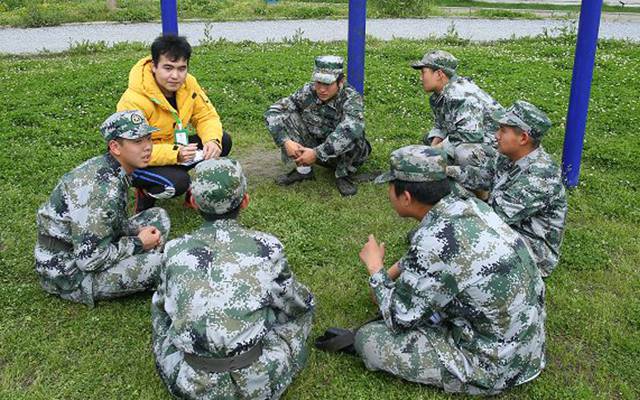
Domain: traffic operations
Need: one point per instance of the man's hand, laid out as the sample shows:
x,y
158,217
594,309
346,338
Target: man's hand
x,y
293,149
186,153
307,157
211,149
150,237
372,255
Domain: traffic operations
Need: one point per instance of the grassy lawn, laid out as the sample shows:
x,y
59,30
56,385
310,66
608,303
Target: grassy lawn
x,y
32,13
50,348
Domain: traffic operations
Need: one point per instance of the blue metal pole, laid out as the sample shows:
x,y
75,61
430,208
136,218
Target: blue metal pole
x,y
590,12
169,12
357,25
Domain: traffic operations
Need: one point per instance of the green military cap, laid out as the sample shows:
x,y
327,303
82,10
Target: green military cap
x,y
525,116
438,59
127,125
219,185
415,163
327,69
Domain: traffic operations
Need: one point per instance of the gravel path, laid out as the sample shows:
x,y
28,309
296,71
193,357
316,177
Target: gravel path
x,y
59,38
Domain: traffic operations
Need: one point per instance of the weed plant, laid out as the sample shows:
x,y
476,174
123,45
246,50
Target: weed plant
x,y
50,348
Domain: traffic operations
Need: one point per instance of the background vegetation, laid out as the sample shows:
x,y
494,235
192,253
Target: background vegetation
x,y
32,13
53,349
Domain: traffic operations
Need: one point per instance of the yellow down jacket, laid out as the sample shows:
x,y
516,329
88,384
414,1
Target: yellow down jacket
x,y
194,108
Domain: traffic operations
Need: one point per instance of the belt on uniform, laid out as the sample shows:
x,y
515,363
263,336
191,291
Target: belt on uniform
x,y
54,243
224,364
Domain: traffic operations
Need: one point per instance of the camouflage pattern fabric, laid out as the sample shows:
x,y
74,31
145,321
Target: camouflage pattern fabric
x,y
415,163
467,312
529,196
219,185
527,117
335,129
98,254
223,290
327,69
436,60
463,113
129,124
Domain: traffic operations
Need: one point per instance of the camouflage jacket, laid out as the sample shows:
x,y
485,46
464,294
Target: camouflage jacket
x,y
336,124
463,113
529,196
469,284
88,211
222,288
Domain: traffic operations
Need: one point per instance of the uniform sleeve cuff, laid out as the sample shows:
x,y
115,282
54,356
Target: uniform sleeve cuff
x,y
379,278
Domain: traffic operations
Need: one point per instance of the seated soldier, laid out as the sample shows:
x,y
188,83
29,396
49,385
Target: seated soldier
x,y
463,310
229,318
462,111
87,248
171,99
525,183
322,123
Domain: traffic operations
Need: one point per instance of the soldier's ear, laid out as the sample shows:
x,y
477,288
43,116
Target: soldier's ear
x,y
114,147
192,202
525,138
406,198
244,203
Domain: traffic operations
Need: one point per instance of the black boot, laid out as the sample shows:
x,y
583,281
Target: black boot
x,y
293,177
346,187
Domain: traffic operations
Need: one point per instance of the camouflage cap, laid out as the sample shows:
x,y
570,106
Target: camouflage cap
x,y
327,69
219,185
415,163
127,125
438,59
525,116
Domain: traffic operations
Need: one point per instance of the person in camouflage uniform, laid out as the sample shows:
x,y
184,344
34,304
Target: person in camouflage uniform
x,y
462,111
87,248
463,310
525,183
229,318
322,123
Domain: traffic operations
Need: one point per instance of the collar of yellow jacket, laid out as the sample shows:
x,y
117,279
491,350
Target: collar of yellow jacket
x,y
141,80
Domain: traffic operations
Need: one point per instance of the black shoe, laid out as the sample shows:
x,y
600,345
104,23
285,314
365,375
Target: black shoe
x,y
367,176
346,187
143,201
293,177
337,340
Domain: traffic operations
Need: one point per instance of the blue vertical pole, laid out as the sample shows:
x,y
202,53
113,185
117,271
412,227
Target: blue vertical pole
x,y
588,27
357,25
169,12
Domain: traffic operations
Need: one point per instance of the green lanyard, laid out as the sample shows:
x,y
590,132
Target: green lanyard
x,y
180,135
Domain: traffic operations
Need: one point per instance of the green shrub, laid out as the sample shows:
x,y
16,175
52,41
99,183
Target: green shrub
x,y
400,8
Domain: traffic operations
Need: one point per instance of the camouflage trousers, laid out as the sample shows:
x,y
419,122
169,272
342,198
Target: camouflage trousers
x,y
133,274
284,354
409,355
344,164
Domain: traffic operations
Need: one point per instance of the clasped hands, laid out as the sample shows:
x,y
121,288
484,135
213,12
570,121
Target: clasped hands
x,y
302,156
186,153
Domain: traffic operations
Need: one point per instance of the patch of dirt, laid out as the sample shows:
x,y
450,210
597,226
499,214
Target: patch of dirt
x,y
260,164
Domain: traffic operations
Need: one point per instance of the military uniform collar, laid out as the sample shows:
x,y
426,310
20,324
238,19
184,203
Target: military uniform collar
x,y
439,96
440,208
114,165
221,223
527,160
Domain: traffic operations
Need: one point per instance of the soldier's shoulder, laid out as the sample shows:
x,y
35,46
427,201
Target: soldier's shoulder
x,y
93,171
268,245
545,166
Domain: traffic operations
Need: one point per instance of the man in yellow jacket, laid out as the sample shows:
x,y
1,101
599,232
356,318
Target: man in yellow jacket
x,y
173,101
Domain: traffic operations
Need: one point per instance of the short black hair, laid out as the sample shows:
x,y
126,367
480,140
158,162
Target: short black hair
x,y
424,192
171,46
233,214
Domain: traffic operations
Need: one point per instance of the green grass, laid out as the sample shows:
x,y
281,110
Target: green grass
x,y
50,348
34,13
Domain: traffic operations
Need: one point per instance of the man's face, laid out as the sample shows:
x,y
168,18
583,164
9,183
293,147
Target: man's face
x,y
170,75
326,92
430,79
510,140
133,153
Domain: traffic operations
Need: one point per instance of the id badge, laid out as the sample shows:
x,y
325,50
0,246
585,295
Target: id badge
x,y
181,137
